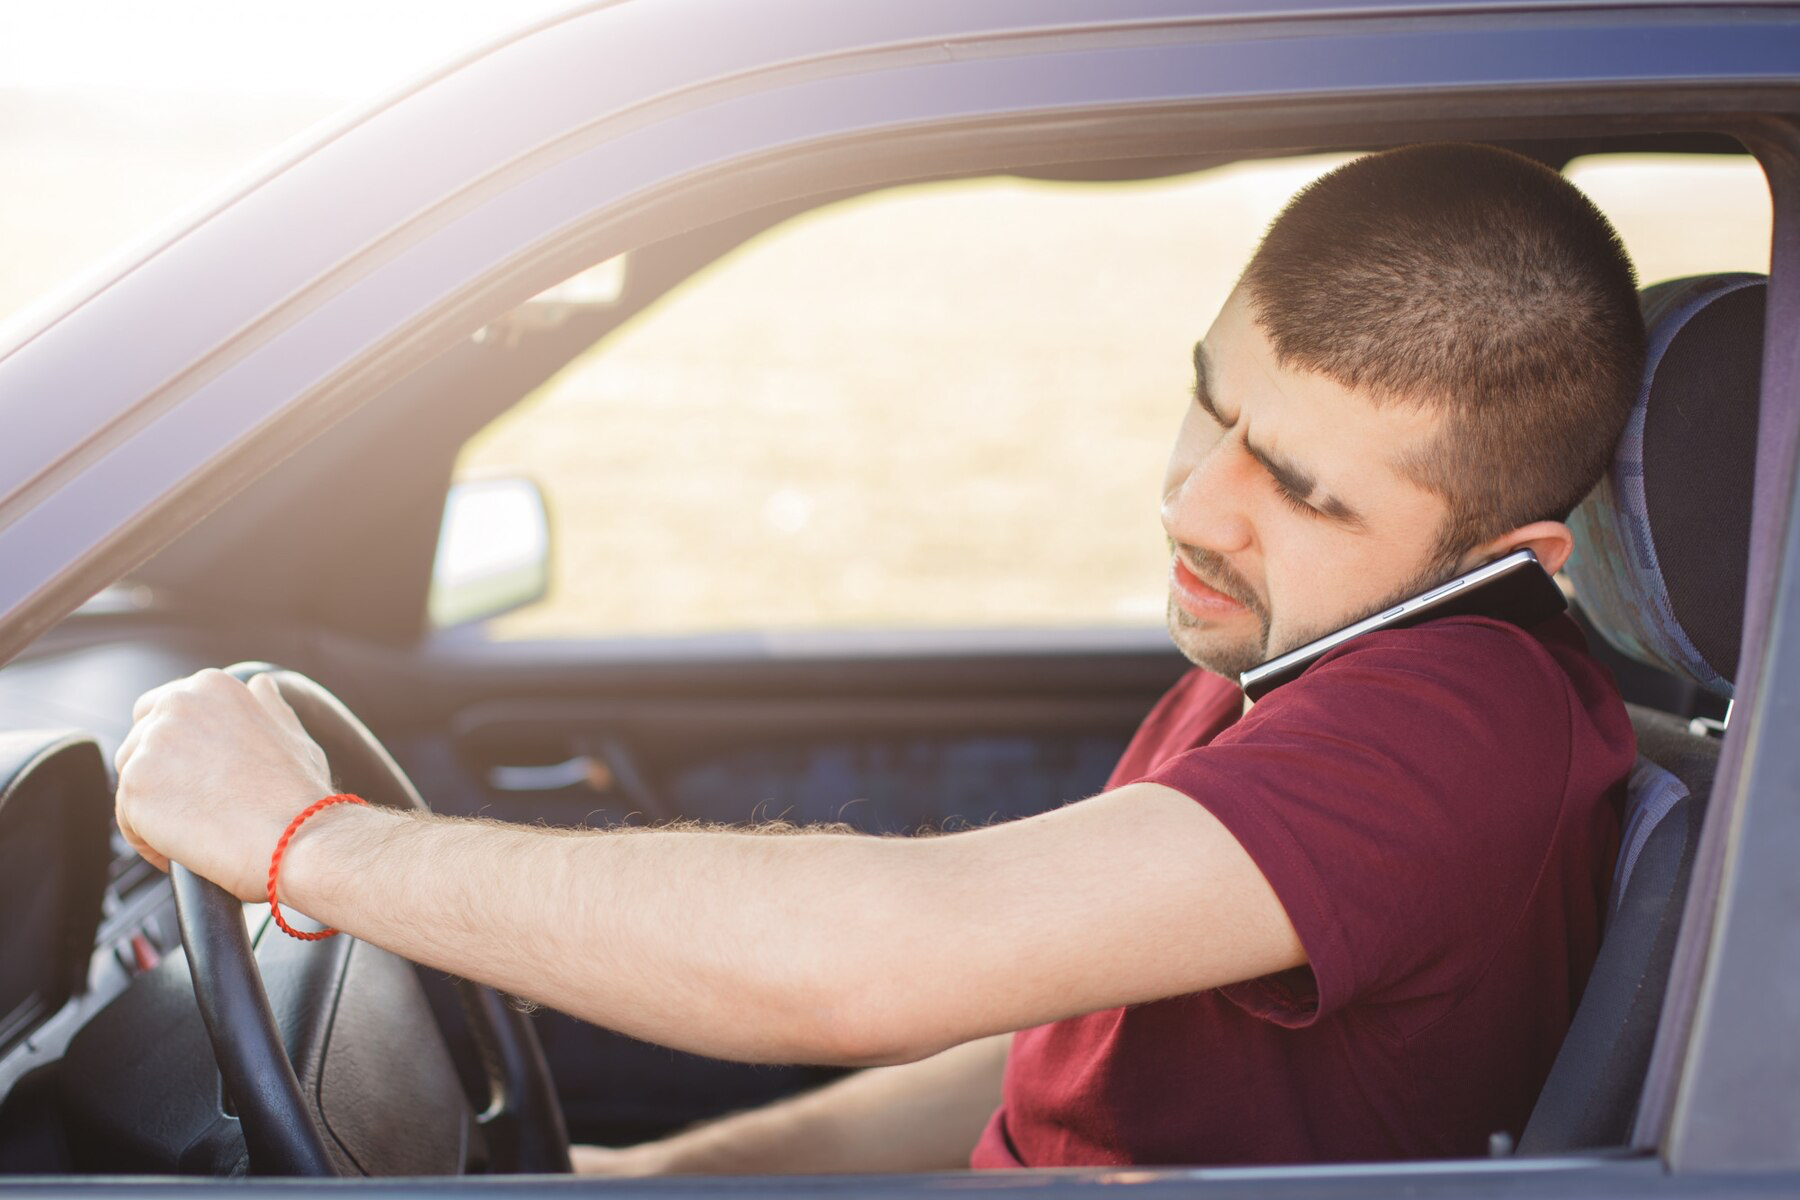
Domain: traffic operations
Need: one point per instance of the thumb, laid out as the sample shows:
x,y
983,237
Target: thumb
x,y
268,694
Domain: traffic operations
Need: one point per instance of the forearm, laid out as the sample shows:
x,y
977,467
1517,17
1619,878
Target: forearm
x,y
919,1116
829,948
735,945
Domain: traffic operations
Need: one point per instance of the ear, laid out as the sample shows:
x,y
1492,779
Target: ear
x,y
1551,541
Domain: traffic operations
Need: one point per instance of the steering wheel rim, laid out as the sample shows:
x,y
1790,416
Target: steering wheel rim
x,y
523,1124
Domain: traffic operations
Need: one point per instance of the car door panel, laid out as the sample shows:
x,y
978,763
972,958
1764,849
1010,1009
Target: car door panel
x,y
881,740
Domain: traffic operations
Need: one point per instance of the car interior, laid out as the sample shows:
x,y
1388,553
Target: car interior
x,y
107,1065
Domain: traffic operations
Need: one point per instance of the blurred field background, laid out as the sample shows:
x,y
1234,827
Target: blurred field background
x,y
945,405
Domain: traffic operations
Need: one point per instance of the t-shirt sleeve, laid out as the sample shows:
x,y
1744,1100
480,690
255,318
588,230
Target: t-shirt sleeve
x,y
1401,799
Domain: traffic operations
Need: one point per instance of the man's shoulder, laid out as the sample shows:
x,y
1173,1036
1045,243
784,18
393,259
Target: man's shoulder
x,y
1402,796
1485,654
1457,677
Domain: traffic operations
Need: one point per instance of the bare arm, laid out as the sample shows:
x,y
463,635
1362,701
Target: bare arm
x,y
824,948
918,1116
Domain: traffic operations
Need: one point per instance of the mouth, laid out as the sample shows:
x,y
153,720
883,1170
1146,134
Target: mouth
x,y
1199,599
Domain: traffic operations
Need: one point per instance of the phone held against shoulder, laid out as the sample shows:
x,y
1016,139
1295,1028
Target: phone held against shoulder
x,y
1514,588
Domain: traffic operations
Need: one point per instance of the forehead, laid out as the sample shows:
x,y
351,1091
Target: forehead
x,y
1342,437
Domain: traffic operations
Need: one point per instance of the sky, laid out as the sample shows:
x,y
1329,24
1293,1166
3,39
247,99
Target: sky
x,y
338,48
177,97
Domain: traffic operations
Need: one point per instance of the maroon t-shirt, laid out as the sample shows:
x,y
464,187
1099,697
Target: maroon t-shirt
x,y
1437,810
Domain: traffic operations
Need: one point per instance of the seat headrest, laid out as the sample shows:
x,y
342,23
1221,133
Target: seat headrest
x,y
1662,543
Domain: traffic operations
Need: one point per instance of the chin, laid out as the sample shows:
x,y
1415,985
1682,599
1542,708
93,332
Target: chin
x,y
1211,649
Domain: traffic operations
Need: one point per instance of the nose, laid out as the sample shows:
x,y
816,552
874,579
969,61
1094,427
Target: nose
x,y
1203,497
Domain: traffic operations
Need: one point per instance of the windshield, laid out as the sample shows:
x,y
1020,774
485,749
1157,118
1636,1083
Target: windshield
x,y
126,114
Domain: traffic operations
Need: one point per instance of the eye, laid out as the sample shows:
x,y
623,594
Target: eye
x,y
1294,500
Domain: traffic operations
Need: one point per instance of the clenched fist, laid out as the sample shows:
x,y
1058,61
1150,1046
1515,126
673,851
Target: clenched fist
x,y
211,773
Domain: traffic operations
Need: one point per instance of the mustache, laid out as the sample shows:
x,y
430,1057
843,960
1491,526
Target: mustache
x,y
1221,576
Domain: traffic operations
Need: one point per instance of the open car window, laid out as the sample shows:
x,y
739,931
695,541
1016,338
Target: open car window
x,y
1682,215
944,405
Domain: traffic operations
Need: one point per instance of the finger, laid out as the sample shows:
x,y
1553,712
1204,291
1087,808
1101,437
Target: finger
x,y
151,698
268,694
128,747
145,850
200,682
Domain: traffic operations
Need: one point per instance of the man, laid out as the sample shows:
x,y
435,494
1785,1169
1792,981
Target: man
x,y
1351,922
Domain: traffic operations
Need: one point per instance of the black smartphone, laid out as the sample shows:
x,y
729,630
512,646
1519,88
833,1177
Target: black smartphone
x,y
1515,588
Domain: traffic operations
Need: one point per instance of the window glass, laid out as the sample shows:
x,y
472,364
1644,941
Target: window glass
x,y
940,406
945,405
116,117
1682,214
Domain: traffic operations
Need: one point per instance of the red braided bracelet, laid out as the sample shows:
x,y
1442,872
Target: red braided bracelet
x,y
281,847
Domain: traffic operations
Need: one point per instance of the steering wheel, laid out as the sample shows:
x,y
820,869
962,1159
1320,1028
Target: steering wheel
x,y
346,1072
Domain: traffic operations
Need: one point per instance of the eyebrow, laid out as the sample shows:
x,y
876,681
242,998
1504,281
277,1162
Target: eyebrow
x,y
1296,480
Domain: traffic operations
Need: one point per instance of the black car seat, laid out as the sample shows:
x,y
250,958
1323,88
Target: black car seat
x,y
1659,569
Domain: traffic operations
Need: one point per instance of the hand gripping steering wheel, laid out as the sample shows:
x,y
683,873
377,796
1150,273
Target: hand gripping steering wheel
x,y
310,1076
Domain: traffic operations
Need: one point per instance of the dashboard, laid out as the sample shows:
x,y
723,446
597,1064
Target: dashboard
x,y
81,915
106,1066
55,857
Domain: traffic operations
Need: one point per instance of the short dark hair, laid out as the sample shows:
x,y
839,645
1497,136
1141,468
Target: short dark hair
x,y
1477,282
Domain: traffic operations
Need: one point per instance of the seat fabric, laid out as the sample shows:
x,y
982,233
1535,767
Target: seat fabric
x,y
1590,1098
1659,569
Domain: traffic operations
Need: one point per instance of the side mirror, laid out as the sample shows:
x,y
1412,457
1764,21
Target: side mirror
x,y
493,552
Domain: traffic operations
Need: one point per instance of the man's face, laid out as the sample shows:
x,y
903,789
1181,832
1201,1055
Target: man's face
x,y
1286,513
